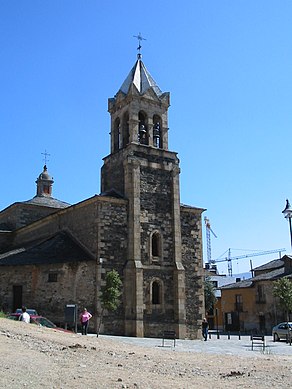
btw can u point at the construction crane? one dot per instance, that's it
(229, 259)
(208, 239)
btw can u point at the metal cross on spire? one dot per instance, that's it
(140, 39)
(46, 155)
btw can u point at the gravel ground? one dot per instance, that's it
(37, 357)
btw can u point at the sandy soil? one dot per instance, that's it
(43, 358)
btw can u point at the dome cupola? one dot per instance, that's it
(44, 183)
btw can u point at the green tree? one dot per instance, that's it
(282, 289)
(209, 292)
(110, 294)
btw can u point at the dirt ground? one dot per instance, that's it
(36, 357)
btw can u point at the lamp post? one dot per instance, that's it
(99, 302)
(99, 262)
(216, 315)
(287, 212)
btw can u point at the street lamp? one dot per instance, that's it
(288, 215)
(99, 262)
(216, 315)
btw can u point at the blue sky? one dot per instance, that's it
(227, 65)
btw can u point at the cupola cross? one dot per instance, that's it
(46, 155)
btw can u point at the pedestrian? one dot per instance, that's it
(25, 317)
(85, 316)
(205, 327)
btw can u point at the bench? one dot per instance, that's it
(258, 340)
(168, 335)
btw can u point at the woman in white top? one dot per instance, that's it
(24, 316)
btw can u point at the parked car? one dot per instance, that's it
(282, 331)
(38, 320)
(28, 310)
(13, 316)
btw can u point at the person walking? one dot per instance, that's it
(205, 327)
(25, 317)
(85, 316)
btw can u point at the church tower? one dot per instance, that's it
(141, 169)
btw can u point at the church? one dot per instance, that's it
(53, 254)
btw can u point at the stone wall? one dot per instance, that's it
(100, 225)
(79, 219)
(158, 318)
(112, 173)
(113, 248)
(6, 239)
(75, 285)
(21, 214)
(191, 227)
(156, 213)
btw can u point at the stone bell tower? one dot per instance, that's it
(141, 169)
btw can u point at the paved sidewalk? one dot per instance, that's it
(232, 346)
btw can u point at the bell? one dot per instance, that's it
(142, 129)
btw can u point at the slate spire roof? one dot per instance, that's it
(141, 78)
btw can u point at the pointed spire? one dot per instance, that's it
(141, 78)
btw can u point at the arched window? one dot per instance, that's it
(126, 133)
(46, 189)
(157, 134)
(155, 296)
(155, 293)
(155, 252)
(117, 134)
(155, 244)
(143, 131)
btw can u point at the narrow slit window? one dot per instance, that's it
(117, 139)
(126, 133)
(155, 293)
(155, 245)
